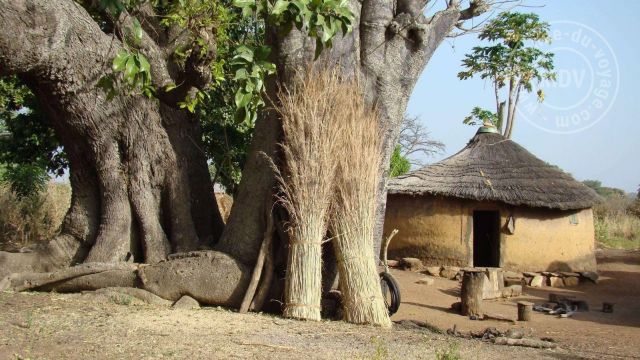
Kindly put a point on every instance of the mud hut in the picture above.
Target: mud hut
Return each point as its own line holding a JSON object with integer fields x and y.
{"x": 493, "y": 204}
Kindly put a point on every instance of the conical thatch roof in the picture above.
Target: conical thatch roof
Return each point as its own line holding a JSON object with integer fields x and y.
{"x": 492, "y": 168}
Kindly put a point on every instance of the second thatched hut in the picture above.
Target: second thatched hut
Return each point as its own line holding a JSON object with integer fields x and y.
{"x": 493, "y": 204}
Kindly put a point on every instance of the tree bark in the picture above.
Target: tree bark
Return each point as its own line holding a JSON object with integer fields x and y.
{"x": 387, "y": 50}
{"x": 141, "y": 187}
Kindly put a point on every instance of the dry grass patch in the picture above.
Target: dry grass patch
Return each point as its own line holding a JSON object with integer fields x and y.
{"x": 33, "y": 219}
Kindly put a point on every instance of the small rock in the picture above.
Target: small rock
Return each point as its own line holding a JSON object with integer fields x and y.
{"x": 426, "y": 281}
{"x": 571, "y": 281}
{"x": 393, "y": 263}
{"x": 512, "y": 275}
{"x": 517, "y": 289}
{"x": 411, "y": 264}
{"x": 187, "y": 303}
{"x": 433, "y": 270}
{"x": 449, "y": 272}
{"x": 537, "y": 281}
{"x": 591, "y": 275}
{"x": 512, "y": 291}
{"x": 555, "y": 281}
{"x": 514, "y": 334}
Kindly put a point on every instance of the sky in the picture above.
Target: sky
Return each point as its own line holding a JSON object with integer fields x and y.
{"x": 588, "y": 124}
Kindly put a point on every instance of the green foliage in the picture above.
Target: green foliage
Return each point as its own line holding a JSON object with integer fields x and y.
{"x": 605, "y": 192}
{"x": 510, "y": 61}
{"x": 131, "y": 69}
{"x": 26, "y": 180}
{"x": 29, "y": 148}
{"x": 226, "y": 143}
{"x": 251, "y": 67}
{"x": 399, "y": 164}
{"x": 481, "y": 116}
{"x": 510, "y": 58}
{"x": 322, "y": 19}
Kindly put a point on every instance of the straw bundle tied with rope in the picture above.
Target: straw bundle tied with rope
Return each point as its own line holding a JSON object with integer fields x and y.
{"x": 331, "y": 152}
{"x": 354, "y": 216}
{"x": 310, "y": 112}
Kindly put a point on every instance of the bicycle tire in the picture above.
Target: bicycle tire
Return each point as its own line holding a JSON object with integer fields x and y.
{"x": 389, "y": 283}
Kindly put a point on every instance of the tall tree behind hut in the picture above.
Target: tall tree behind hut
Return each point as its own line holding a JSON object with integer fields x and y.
{"x": 510, "y": 64}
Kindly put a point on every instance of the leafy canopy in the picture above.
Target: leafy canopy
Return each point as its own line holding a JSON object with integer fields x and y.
{"x": 511, "y": 60}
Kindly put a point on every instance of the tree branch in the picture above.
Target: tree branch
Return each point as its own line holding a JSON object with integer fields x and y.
{"x": 475, "y": 9}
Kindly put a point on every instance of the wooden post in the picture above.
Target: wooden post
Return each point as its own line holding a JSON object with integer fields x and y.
{"x": 471, "y": 293}
{"x": 525, "y": 309}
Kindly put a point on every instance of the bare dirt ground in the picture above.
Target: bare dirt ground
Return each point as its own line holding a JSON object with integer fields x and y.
{"x": 75, "y": 326}
{"x": 592, "y": 334}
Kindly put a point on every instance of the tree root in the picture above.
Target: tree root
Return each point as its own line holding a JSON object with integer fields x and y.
{"x": 27, "y": 281}
{"x": 211, "y": 277}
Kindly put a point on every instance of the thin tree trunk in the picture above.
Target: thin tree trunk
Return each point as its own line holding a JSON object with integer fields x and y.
{"x": 513, "y": 113}
{"x": 511, "y": 107}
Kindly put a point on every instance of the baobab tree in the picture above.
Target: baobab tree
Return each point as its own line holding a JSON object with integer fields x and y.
{"x": 117, "y": 84}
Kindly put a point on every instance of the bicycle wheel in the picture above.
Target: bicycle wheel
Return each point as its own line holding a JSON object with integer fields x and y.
{"x": 390, "y": 292}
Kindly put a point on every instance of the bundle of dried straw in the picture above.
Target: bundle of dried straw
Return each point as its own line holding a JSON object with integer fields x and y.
{"x": 354, "y": 216}
{"x": 331, "y": 160}
{"x": 310, "y": 121}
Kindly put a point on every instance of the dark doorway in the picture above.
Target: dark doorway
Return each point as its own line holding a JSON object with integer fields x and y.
{"x": 486, "y": 238}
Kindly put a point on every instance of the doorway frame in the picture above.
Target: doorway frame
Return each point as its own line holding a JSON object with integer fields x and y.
{"x": 470, "y": 209}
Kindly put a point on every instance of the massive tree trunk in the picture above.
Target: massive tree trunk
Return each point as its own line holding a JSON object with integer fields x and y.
{"x": 389, "y": 47}
{"x": 141, "y": 187}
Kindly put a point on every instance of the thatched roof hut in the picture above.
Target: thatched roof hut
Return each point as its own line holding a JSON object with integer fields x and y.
{"x": 492, "y": 168}
{"x": 464, "y": 209}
